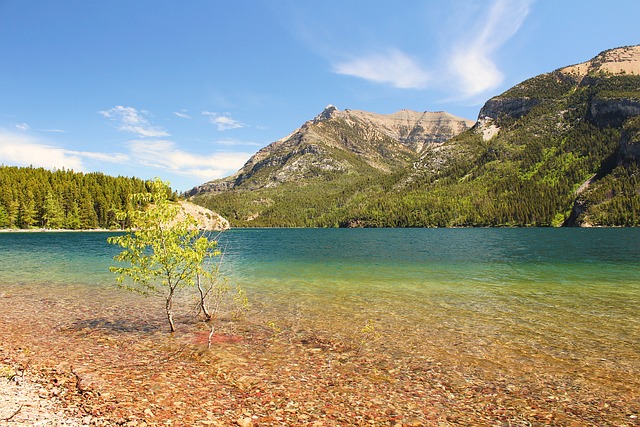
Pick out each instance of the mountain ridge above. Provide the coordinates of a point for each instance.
(386, 143)
(521, 163)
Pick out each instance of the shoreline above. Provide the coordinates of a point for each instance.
(58, 230)
(27, 399)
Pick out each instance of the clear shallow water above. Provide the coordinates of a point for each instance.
(517, 320)
(573, 263)
(567, 291)
(420, 265)
(571, 291)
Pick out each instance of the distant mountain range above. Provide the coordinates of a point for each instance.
(561, 148)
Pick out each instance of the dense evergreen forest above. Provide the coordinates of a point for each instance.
(63, 199)
(529, 174)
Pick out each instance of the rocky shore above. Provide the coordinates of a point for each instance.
(70, 357)
(26, 400)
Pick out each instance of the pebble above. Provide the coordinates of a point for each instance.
(245, 422)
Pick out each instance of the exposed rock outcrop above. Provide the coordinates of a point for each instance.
(612, 111)
(630, 143)
(343, 142)
(207, 219)
(618, 61)
(509, 107)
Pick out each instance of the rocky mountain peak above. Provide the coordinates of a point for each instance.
(337, 142)
(622, 60)
(604, 110)
(329, 112)
(576, 127)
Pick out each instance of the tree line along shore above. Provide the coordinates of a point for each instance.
(36, 198)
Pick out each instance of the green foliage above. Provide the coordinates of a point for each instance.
(527, 175)
(161, 252)
(368, 335)
(36, 197)
(618, 86)
(615, 199)
(4, 217)
(52, 213)
(545, 86)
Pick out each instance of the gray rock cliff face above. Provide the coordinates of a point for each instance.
(613, 112)
(343, 142)
(606, 110)
(630, 143)
(510, 107)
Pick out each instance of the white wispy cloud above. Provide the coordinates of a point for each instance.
(24, 127)
(131, 120)
(230, 142)
(166, 156)
(472, 61)
(457, 54)
(391, 67)
(183, 114)
(163, 156)
(118, 158)
(24, 150)
(223, 121)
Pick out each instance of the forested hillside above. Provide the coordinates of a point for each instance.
(562, 148)
(39, 198)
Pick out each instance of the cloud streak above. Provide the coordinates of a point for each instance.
(164, 155)
(392, 67)
(182, 114)
(25, 150)
(223, 121)
(466, 64)
(131, 120)
(472, 59)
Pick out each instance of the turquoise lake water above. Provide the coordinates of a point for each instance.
(571, 291)
(423, 260)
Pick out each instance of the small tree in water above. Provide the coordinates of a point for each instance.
(164, 253)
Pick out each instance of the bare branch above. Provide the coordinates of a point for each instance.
(12, 415)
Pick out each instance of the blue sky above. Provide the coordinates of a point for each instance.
(188, 91)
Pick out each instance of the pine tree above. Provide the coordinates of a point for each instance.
(53, 216)
(72, 220)
(27, 213)
(4, 217)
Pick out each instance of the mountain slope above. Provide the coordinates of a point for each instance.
(534, 147)
(559, 148)
(336, 142)
(323, 164)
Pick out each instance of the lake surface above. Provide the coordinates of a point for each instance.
(508, 319)
(571, 291)
(392, 258)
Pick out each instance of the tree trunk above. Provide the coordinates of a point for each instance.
(203, 302)
(169, 308)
